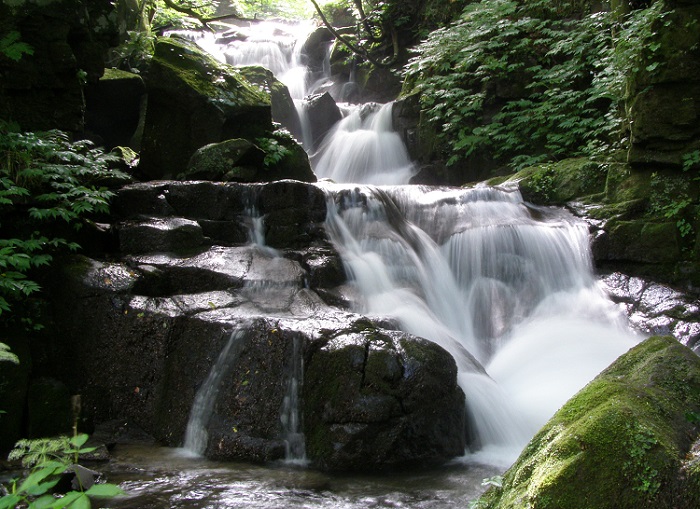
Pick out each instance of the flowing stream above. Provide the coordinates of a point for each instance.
(507, 288)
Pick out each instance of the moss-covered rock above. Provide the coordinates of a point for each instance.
(663, 101)
(563, 181)
(639, 241)
(193, 100)
(283, 109)
(229, 160)
(619, 443)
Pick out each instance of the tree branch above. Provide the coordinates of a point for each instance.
(352, 47)
(204, 20)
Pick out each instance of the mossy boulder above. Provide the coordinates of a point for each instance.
(378, 400)
(639, 241)
(560, 182)
(193, 100)
(274, 157)
(283, 109)
(229, 160)
(620, 443)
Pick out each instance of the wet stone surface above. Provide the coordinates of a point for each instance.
(654, 308)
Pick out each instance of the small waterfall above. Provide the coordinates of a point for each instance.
(508, 286)
(290, 417)
(196, 435)
(364, 148)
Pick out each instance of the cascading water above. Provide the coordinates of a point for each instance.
(295, 445)
(491, 280)
(196, 435)
(505, 287)
(363, 148)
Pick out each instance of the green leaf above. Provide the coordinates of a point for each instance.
(79, 440)
(104, 490)
(81, 502)
(10, 501)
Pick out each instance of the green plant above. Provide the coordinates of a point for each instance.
(133, 53)
(45, 181)
(48, 460)
(275, 151)
(529, 82)
(670, 200)
(6, 355)
(13, 48)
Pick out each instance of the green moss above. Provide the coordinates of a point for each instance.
(202, 73)
(117, 74)
(563, 181)
(618, 443)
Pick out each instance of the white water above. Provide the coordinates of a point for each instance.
(196, 435)
(363, 148)
(291, 419)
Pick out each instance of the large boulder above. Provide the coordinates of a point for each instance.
(193, 100)
(620, 443)
(377, 400)
(322, 114)
(276, 156)
(283, 108)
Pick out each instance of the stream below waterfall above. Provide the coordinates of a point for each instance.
(160, 478)
(495, 281)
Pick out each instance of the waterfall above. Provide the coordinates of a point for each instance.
(196, 435)
(290, 418)
(507, 288)
(363, 148)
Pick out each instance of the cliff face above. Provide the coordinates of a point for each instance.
(68, 39)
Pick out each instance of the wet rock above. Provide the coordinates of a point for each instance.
(161, 234)
(294, 214)
(322, 113)
(316, 46)
(140, 334)
(657, 309)
(193, 101)
(620, 443)
(377, 400)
